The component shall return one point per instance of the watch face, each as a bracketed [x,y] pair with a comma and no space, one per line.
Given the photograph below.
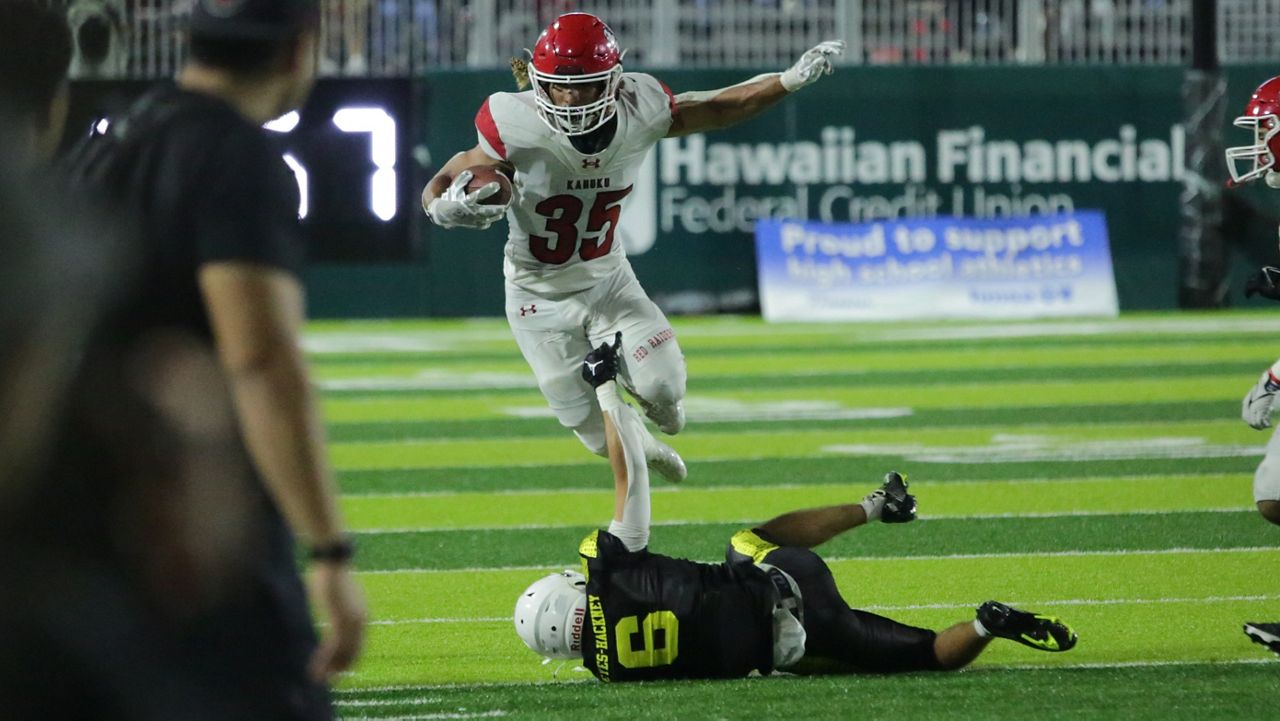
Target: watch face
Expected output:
[349,149]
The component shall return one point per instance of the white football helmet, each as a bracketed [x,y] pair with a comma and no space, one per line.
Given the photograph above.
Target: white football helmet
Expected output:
[550,613]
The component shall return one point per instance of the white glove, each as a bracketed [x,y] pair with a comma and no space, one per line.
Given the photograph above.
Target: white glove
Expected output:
[815,63]
[1255,409]
[459,209]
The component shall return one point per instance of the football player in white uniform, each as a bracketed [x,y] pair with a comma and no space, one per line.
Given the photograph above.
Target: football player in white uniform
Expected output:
[573,145]
[1262,160]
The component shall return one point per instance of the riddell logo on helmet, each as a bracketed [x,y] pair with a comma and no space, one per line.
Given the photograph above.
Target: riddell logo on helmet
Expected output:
[575,629]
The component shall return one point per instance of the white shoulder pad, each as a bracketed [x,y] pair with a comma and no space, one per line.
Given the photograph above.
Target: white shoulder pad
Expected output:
[650,99]
[508,123]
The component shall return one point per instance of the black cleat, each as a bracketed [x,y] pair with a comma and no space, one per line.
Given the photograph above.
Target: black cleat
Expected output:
[1267,634]
[1043,633]
[899,506]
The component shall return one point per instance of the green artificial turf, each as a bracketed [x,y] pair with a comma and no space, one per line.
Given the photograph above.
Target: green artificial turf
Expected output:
[1095,469]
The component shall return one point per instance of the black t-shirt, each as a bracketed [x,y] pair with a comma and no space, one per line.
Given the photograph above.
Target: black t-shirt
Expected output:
[204,185]
[652,617]
[148,520]
[191,182]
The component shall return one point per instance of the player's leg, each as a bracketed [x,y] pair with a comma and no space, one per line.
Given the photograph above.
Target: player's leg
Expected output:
[549,334]
[1266,634]
[550,338]
[1266,481]
[1266,493]
[814,526]
[959,645]
[1036,630]
[844,640]
[653,366]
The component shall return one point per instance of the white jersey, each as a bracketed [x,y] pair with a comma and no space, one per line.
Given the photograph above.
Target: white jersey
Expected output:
[565,205]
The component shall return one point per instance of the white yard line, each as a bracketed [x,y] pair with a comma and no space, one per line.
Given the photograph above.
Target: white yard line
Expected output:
[1136,664]
[1038,481]
[882,559]
[367,338]
[1035,603]
[1143,326]
[415,701]
[750,521]
[1076,602]
[495,713]
[1261,659]
[413,621]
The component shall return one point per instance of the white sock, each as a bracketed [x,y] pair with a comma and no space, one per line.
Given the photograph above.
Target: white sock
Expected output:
[980,629]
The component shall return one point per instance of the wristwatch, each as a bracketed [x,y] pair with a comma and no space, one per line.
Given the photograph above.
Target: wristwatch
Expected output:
[339,551]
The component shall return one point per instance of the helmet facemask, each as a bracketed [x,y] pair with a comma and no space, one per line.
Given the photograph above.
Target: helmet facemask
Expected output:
[577,119]
[1262,154]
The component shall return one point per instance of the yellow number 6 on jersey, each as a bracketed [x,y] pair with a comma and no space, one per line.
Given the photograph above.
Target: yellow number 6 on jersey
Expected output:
[655,650]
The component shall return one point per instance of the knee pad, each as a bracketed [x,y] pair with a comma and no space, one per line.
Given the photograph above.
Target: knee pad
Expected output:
[662,401]
[1266,480]
[663,392]
[656,391]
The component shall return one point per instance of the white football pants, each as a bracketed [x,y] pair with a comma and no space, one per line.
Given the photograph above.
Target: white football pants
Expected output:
[1266,480]
[556,332]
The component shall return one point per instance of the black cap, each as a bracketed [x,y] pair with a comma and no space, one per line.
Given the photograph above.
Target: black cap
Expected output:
[251,19]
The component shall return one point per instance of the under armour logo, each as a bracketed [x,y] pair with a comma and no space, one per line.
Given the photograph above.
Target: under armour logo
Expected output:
[591,162]
[528,309]
[592,366]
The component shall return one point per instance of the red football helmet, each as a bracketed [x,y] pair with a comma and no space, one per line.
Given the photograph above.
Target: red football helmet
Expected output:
[577,48]
[1260,116]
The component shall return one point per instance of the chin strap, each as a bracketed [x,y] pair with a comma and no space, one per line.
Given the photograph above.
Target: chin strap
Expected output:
[555,674]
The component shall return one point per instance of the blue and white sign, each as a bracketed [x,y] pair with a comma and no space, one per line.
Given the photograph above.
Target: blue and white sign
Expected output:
[1028,267]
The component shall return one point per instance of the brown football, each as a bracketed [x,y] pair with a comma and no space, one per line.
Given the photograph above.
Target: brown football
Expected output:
[482,175]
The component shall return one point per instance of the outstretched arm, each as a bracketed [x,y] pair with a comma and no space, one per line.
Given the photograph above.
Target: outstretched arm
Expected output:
[815,526]
[257,315]
[703,110]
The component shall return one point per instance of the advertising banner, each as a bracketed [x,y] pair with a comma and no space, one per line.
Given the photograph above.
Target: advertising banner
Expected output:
[1010,267]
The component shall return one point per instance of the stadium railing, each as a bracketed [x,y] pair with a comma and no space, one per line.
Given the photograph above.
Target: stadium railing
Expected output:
[396,38]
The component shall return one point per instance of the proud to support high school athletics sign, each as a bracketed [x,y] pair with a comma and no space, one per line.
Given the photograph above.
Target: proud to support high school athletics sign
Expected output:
[1028,267]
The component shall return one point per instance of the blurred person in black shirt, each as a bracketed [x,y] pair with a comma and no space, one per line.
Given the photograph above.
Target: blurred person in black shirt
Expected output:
[634,615]
[79,641]
[200,451]
[35,53]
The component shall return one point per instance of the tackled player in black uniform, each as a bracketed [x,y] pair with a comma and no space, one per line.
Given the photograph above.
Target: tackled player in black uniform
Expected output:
[773,604]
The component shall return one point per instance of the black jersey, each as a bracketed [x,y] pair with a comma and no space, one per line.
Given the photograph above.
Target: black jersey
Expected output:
[651,616]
